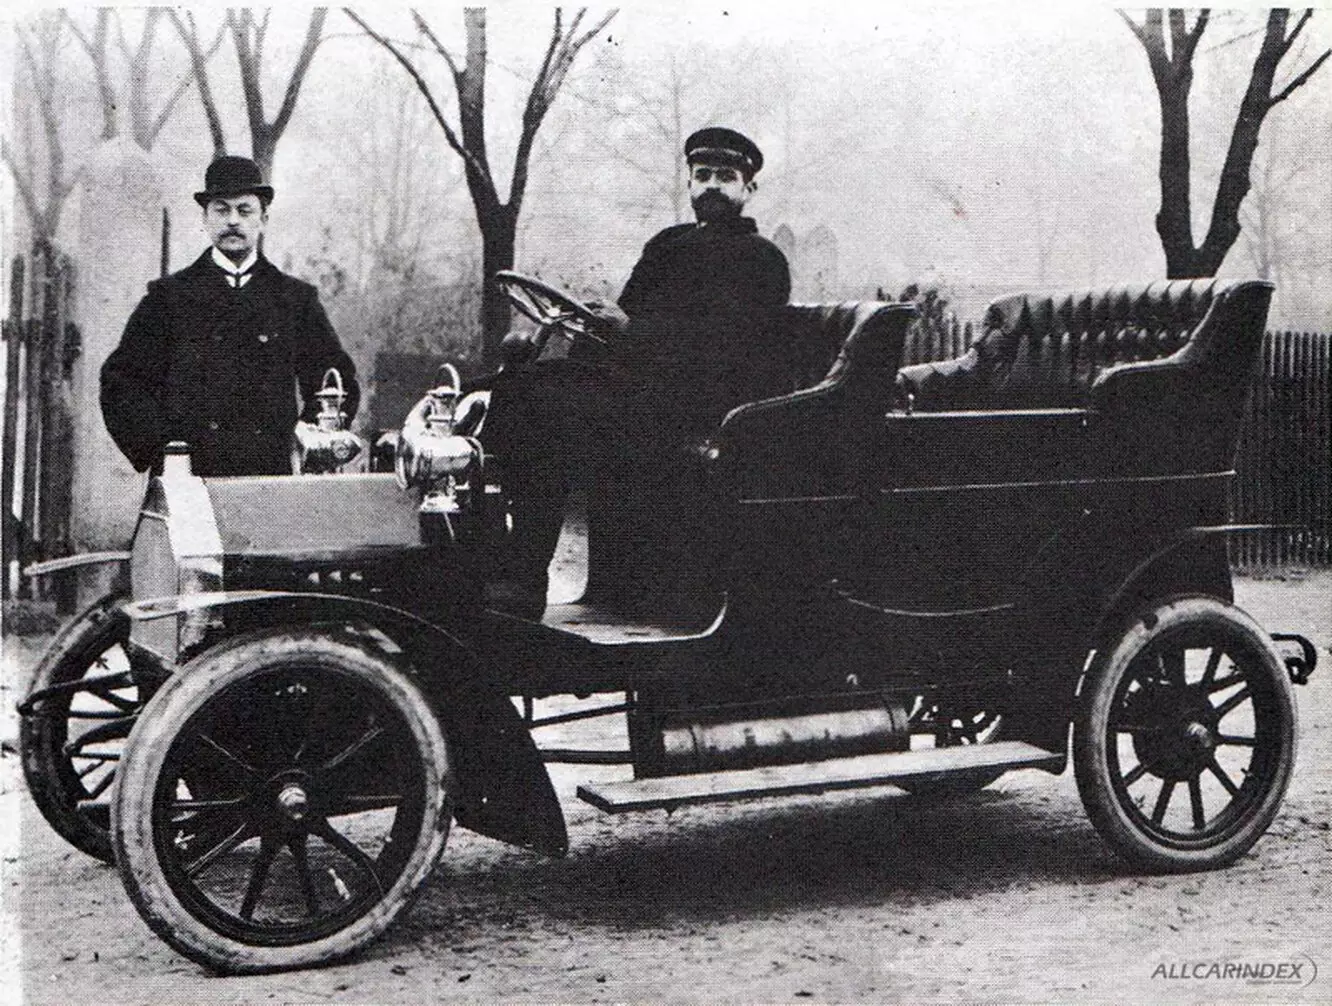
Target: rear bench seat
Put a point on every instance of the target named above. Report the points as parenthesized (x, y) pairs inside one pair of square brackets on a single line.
[(1166, 367), (1065, 351)]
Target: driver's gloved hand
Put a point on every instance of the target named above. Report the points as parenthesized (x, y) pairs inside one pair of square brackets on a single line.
[(609, 316)]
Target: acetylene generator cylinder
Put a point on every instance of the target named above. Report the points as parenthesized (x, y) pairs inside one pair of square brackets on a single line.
[(733, 737)]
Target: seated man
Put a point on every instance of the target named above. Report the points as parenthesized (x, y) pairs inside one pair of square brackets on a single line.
[(692, 335)]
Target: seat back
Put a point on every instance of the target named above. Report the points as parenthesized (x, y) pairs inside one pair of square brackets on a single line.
[(1048, 351), (794, 443), (814, 336)]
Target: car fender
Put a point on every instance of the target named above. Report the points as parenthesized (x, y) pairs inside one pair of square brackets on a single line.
[(1190, 561), (1089, 612), (501, 786)]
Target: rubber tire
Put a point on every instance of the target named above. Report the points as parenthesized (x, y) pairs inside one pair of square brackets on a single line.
[(96, 629), (1091, 767), (152, 738)]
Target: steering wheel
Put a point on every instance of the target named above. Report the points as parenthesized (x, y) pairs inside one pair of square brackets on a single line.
[(554, 311)]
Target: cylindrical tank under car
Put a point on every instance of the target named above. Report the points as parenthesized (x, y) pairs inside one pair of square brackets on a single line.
[(708, 740)]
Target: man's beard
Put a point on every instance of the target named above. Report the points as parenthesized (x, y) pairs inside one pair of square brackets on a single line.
[(711, 207)]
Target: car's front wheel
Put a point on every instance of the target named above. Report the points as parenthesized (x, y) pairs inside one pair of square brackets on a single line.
[(81, 707), (1185, 739), (280, 801)]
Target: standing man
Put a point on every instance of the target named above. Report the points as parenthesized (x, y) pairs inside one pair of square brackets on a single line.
[(215, 354), (697, 327)]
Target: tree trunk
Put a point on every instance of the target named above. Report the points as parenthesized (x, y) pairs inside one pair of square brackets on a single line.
[(264, 148), (1174, 220), (498, 231)]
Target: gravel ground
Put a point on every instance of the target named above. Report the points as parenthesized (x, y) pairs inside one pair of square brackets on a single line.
[(1007, 895)]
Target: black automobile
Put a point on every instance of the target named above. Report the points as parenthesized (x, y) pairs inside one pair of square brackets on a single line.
[(915, 578)]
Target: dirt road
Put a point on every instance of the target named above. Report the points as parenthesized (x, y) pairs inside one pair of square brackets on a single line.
[(1008, 895)]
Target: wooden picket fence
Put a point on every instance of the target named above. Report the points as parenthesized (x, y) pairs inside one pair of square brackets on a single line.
[(1284, 458), (41, 343), (937, 339)]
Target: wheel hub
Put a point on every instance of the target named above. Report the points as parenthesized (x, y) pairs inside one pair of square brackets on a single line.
[(1181, 741), (293, 802)]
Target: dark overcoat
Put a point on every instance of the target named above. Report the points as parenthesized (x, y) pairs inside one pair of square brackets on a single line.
[(229, 371), (703, 302)]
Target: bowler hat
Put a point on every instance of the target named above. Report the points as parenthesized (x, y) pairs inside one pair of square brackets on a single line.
[(233, 176), (724, 146)]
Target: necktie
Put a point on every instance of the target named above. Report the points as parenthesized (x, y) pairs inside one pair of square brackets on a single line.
[(236, 280)]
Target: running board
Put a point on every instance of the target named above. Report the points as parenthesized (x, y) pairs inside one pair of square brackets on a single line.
[(862, 772)]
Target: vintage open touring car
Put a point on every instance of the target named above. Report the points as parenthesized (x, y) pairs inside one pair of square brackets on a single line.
[(910, 577)]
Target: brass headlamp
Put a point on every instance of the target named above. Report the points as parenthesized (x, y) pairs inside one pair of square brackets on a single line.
[(431, 456), (326, 445)]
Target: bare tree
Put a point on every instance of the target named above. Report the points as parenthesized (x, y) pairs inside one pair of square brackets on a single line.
[(43, 188), (496, 217), (136, 94), (249, 34), (1171, 44), (189, 34)]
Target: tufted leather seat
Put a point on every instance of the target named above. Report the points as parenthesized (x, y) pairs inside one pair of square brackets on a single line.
[(1051, 351), (801, 442)]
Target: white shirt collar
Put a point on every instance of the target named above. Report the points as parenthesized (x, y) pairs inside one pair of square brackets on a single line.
[(222, 262)]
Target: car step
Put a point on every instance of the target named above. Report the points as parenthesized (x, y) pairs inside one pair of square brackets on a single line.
[(862, 772)]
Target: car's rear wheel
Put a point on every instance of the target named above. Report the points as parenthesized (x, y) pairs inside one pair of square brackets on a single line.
[(950, 724), (1185, 741), (81, 707), (281, 800)]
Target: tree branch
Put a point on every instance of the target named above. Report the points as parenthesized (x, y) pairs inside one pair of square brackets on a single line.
[(180, 90), (96, 50), (122, 43), (247, 58), (1295, 32), (1175, 17), (1137, 29), (198, 61), (560, 54), (312, 33), (421, 85), (595, 30), (78, 32), (424, 29), (537, 97), (21, 182), (1299, 81), (1196, 34), (43, 81), (260, 33), (140, 111)]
